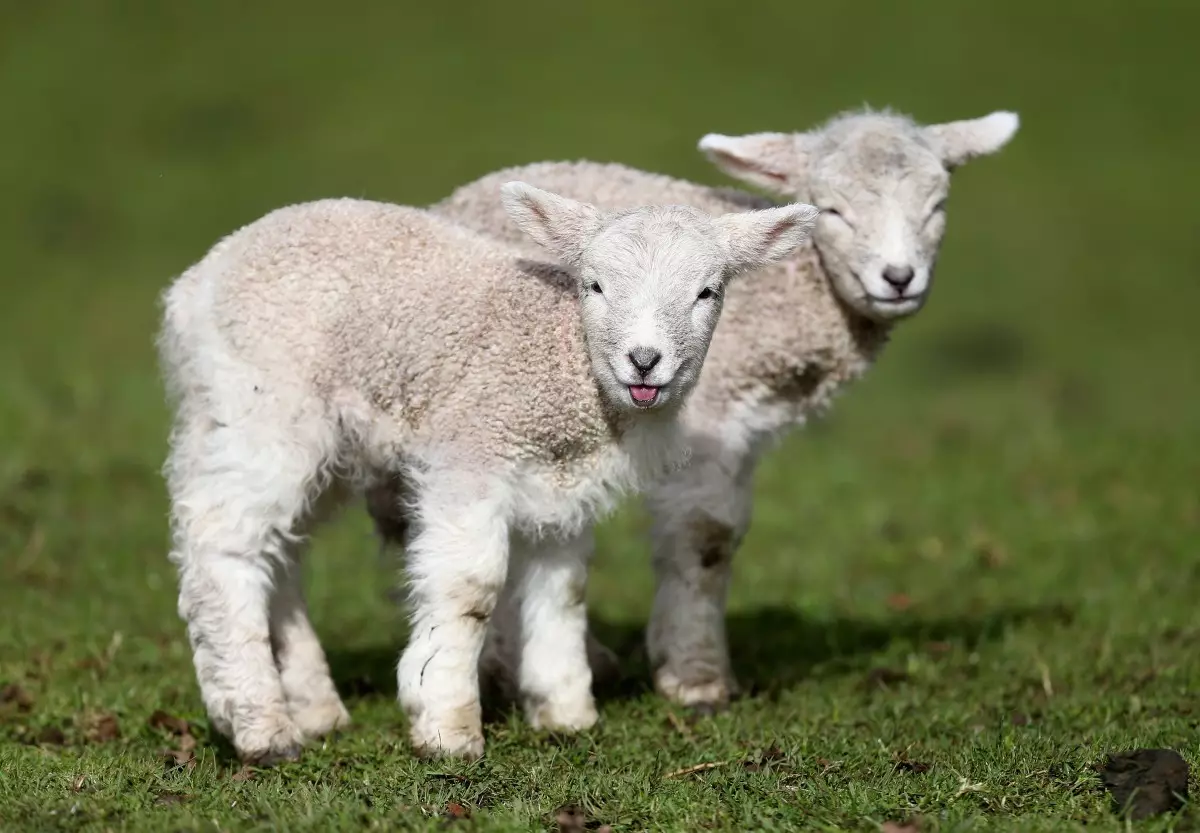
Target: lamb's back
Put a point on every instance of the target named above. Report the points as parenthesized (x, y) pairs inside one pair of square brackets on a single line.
[(404, 314)]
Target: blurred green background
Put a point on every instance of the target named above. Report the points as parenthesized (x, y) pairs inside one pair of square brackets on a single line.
[(1046, 400)]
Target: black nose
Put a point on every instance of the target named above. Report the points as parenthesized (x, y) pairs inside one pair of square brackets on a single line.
[(644, 358), (898, 276)]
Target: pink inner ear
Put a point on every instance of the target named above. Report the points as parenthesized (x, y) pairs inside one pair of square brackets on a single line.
[(738, 162), (777, 230)]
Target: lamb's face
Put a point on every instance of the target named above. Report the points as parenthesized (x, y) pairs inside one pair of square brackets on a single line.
[(651, 282), (881, 182), (651, 286), (882, 198)]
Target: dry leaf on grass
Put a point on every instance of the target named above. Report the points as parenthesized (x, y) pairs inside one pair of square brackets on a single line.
[(101, 727), (770, 755), (178, 757), (175, 725), (899, 602), (242, 775), (457, 812), (692, 770), (185, 752)]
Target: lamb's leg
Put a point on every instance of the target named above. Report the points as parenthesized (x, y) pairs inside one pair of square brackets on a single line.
[(499, 660), (456, 564), (700, 515), (311, 696), (236, 497), (554, 678)]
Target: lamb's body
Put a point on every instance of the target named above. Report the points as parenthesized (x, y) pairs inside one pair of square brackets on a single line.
[(345, 345), (788, 340), (484, 326), (785, 346)]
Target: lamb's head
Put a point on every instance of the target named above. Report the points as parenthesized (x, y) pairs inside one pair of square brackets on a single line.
[(881, 182), (651, 281)]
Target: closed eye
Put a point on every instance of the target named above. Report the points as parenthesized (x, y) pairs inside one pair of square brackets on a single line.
[(833, 213), (936, 211)]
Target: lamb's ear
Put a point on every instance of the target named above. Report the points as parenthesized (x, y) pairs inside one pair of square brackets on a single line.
[(757, 238), (561, 225), (774, 161), (961, 141)]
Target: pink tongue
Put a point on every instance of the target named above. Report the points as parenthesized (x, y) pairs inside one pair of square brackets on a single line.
[(642, 393)]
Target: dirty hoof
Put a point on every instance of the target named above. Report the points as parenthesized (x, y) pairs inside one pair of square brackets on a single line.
[(1146, 782), (272, 757), (700, 710)]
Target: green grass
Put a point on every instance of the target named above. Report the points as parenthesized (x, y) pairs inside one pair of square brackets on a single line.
[(1007, 510)]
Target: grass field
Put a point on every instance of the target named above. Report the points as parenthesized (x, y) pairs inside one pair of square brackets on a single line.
[(960, 592)]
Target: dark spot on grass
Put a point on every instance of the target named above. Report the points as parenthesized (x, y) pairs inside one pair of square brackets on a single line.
[(51, 736), (767, 759), (1146, 782), (903, 764), (13, 696), (909, 826), (572, 819), (976, 349), (63, 219), (33, 479), (884, 678), (172, 799)]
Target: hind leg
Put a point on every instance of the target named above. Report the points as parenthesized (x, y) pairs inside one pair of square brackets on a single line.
[(312, 699), (237, 495)]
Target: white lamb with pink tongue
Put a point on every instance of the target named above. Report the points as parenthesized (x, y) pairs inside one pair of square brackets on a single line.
[(350, 346)]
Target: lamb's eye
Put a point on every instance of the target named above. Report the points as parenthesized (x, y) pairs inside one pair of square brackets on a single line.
[(834, 214), (705, 294), (595, 287)]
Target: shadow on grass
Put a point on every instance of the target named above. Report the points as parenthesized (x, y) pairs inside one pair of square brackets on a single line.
[(773, 648)]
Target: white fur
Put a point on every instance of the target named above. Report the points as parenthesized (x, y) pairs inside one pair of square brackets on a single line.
[(311, 355), (812, 325)]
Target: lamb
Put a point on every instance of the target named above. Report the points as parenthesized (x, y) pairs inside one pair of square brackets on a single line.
[(790, 340), (345, 346)]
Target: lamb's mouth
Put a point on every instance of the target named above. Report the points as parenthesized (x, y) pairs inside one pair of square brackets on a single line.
[(644, 396), (895, 306)]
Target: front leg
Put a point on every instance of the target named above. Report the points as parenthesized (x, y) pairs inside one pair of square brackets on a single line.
[(456, 564), (554, 680), (699, 517)]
